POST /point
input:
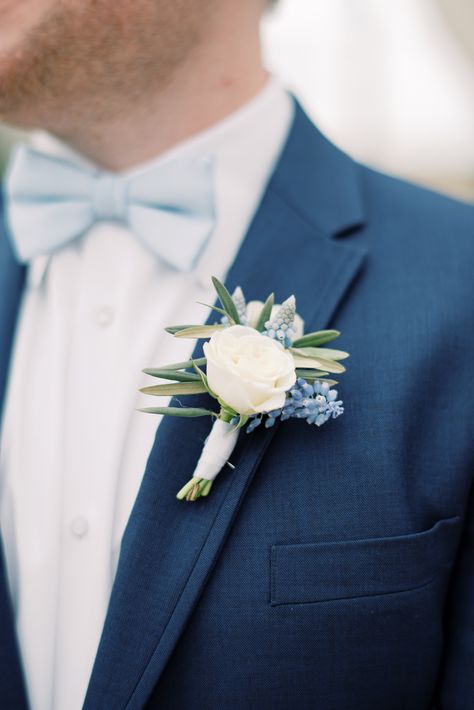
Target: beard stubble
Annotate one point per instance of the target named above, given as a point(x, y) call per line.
point(89, 60)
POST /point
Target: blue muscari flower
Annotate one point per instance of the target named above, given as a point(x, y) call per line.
point(315, 403)
point(241, 305)
point(239, 300)
point(281, 326)
point(254, 422)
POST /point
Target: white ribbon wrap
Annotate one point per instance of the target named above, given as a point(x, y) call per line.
point(218, 447)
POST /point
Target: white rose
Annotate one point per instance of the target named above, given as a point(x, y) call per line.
point(254, 308)
point(247, 370)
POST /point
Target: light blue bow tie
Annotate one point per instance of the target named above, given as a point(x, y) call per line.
point(51, 201)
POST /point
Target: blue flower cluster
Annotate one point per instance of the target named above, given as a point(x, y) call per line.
point(316, 403)
point(281, 326)
point(239, 302)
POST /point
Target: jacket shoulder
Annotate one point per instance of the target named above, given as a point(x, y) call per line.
point(416, 212)
point(421, 253)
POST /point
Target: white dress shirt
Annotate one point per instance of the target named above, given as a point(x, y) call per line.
point(74, 446)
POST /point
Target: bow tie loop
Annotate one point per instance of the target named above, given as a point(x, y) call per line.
point(52, 201)
point(110, 198)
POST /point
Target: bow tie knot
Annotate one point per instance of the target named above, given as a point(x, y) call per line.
point(51, 201)
point(110, 198)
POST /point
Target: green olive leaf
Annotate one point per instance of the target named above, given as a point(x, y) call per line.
point(318, 364)
point(199, 331)
point(265, 313)
point(176, 375)
point(310, 374)
point(173, 329)
point(178, 388)
point(179, 411)
point(326, 353)
point(175, 366)
point(319, 337)
point(226, 301)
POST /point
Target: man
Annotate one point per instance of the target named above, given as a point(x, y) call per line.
point(332, 568)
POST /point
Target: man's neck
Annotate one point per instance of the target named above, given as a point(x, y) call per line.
point(214, 83)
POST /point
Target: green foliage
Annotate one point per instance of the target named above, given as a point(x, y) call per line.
point(175, 375)
point(313, 375)
point(195, 488)
point(176, 366)
point(243, 419)
point(203, 377)
point(326, 353)
point(319, 337)
point(176, 388)
point(198, 331)
point(226, 301)
point(214, 308)
point(173, 329)
point(303, 360)
point(265, 313)
point(310, 374)
point(180, 411)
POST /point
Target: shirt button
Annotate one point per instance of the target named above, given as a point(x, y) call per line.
point(105, 316)
point(79, 526)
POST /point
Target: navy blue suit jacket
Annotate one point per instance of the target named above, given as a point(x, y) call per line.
point(333, 568)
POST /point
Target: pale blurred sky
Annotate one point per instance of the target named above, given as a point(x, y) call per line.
point(387, 80)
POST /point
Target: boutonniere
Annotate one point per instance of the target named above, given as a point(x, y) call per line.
point(259, 367)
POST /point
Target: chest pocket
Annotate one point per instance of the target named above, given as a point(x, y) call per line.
point(326, 571)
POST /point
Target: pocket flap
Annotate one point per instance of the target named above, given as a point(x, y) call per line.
point(323, 571)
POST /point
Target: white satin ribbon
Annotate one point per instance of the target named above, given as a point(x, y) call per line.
point(218, 447)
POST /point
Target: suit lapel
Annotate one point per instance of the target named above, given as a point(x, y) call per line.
point(170, 547)
point(12, 276)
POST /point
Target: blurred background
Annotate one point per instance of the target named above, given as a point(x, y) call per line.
point(389, 82)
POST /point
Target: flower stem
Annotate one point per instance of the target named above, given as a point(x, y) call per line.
point(194, 489)
point(186, 488)
point(206, 488)
point(225, 416)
